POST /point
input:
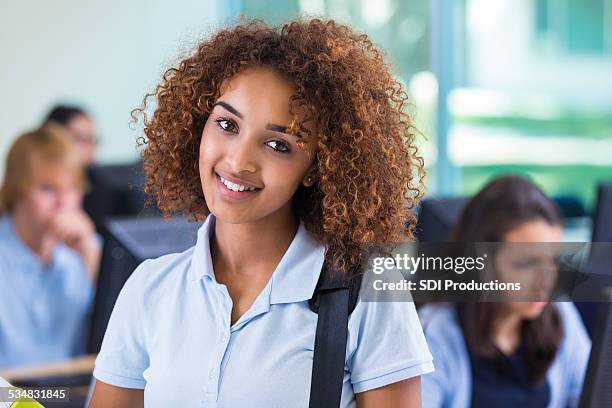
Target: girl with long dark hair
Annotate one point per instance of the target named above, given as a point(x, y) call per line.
point(506, 353)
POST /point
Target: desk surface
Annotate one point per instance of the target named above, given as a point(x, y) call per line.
point(78, 365)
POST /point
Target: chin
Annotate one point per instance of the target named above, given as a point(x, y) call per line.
point(533, 309)
point(229, 216)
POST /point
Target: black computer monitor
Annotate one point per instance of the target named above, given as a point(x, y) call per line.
point(128, 242)
point(597, 389)
point(116, 190)
point(437, 217)
point(602, 232)
point(602, 225)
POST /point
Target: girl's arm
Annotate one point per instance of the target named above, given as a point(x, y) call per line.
point(109, 396)
point(403, 394)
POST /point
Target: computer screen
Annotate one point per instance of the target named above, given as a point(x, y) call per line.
point(599, 258)
point(602, 227)
point(436, 218)
point(128, 242)
point(116, 190)
point(597, 389)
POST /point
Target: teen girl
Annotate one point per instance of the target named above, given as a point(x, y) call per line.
point(293, 145)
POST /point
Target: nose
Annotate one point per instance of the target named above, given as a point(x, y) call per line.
point(545, 277)
point(242, 155)
point(66, 199)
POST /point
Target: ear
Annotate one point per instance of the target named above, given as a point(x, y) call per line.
point(309, 178)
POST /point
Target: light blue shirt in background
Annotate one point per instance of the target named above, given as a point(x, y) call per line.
point(450, 386)
point(43, 307)
point(3, 384)
point(170, 334)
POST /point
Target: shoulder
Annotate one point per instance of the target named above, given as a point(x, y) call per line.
point(443, 332)
point(389, 324)
point(397, 315)
point(575, 337)
point(7, 238)
point(567, 373)
point(450, 384)
point(153, 283)
point(438, 318)
point(385, 345)
point(569, 314)
point(155, 274)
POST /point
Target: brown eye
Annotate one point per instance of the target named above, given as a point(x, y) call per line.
point(278, 146)
point(226, 125)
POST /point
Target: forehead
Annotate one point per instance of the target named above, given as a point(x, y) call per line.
point(42, 170)
point(535, 231)
point(81, 125)
point(259, 93)
point(80, 121)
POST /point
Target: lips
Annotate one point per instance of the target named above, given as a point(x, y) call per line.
point(227, 179)
point(236, 186)
point(235, 189)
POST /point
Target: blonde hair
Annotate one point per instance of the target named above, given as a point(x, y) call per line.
point(52, 143)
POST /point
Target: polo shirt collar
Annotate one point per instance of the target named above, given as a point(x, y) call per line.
point(201, 261)
point(295, 277)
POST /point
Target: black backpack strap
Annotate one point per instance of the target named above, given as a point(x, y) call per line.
point(329, 280)
point(334, 299)
point(329, 349)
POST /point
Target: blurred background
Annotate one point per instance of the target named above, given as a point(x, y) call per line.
point(521, 86)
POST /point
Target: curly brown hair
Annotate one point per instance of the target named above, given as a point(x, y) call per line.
point(369, 172)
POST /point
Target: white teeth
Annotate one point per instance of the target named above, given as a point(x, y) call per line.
point(234, 186)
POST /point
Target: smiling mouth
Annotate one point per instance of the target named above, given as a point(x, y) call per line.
point(235, 187)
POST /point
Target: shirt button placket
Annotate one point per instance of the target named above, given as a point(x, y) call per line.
point(211, 386)
point(213, 377)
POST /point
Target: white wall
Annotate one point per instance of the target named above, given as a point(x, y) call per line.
point(503, 56)
point(101, 54)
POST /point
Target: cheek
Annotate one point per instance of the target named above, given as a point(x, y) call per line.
point(525, 309)
point(517, 307)
point(40, 203)
point(74, 200)
point(205, 163)
point(209, 148)
point(506, 271)
point(284, 177)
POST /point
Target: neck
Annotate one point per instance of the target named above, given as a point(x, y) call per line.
point(252, 248)
point(38, 241)
point(507, 331)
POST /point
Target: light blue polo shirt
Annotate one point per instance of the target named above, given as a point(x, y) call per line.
point(170, 334)
point(451, 385)
point(43, 307)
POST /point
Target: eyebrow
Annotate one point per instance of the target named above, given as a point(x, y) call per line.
point(229, 108)
point(269, 126)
